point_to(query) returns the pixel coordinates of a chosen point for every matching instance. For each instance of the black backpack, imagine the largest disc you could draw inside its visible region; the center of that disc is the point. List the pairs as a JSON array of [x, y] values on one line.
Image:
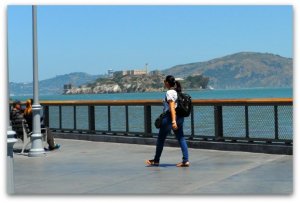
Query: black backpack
[[184, 104]]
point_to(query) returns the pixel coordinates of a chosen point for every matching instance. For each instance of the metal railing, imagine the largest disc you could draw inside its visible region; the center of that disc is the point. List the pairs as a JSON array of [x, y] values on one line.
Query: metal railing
[[250, 120]]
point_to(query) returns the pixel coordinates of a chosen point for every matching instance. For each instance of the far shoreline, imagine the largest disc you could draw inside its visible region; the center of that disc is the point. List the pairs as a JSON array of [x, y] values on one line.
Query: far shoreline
[[132, 94]]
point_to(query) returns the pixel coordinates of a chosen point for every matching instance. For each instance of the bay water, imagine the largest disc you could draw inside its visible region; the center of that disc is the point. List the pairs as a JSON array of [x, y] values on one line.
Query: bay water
[[201, 94]]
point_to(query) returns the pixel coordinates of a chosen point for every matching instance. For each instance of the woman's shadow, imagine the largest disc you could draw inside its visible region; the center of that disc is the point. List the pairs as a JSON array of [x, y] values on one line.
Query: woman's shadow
[[163, 165]]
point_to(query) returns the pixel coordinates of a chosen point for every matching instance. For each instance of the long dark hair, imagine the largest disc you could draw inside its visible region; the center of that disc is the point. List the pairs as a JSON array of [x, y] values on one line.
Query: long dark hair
[[173, 83]]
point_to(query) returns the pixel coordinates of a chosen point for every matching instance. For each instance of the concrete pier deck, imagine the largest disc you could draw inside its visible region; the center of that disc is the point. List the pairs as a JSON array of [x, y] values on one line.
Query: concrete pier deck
[[85, 167]]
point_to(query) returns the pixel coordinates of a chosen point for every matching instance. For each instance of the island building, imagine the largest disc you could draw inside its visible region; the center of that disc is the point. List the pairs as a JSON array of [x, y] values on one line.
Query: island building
[[110, 72], [67, 87], [179, 79], [129, 72]]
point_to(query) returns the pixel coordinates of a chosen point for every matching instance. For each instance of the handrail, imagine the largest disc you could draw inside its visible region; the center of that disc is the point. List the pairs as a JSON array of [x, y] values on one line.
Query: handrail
[[156, 102]]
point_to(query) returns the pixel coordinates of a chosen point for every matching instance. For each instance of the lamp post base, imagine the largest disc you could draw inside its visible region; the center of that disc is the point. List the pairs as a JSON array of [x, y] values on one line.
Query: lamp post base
[[37, 149], [37, 153]]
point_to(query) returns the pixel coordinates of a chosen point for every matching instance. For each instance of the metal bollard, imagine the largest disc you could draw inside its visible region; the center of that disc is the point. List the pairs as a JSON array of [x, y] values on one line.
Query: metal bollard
[[11, 140]]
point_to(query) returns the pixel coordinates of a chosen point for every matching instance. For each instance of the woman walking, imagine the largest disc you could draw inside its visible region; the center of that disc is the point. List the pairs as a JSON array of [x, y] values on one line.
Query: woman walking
[[171, 122]]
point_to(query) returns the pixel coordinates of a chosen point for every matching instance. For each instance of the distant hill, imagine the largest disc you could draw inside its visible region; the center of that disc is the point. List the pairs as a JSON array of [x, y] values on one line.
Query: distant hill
[[241, 70], [53, 85]]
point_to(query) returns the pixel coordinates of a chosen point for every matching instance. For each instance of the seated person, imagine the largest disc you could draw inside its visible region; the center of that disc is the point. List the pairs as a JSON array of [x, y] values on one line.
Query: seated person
[[27, 115], [16, 117]]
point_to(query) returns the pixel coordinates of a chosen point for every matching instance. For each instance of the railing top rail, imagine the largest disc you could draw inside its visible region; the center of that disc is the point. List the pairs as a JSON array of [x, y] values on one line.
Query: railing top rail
[[102, 102], [288, 101]]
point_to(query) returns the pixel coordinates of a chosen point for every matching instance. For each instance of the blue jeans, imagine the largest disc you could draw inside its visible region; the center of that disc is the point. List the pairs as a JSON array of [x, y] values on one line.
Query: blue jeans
[[165, 129]]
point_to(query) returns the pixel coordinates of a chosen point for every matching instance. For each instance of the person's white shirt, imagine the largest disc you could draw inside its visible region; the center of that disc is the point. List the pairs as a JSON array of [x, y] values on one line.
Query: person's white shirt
[[170, 95]]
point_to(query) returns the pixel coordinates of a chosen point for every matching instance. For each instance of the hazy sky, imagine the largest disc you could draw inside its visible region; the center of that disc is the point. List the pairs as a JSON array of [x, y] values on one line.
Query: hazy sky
[[93, 39]]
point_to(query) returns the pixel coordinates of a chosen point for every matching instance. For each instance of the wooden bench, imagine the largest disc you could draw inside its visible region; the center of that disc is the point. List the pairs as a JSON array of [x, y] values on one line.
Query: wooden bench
[[24, 133]]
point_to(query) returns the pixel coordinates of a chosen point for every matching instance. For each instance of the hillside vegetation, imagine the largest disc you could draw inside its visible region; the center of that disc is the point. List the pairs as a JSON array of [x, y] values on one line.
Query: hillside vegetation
[[241, 70]]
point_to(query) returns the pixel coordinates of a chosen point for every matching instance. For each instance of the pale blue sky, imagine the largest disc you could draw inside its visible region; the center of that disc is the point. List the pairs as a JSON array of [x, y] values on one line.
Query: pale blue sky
[[93, 39]]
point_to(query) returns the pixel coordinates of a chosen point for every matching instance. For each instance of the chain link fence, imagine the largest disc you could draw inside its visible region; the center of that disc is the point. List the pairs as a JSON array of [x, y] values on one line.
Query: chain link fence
[[255, 122]]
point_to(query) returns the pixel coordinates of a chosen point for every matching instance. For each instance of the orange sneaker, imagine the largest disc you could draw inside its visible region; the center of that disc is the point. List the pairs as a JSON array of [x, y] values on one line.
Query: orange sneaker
[[152, 163], [183, 164]]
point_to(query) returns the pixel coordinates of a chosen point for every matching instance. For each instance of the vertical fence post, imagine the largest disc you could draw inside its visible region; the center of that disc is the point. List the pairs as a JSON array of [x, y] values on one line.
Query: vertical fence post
[[60, 117], [127, 120], [192, 124], [109, 119], [247, 121], [46, 116], [91, 112], [147, 121], [276, 121], [218, 114], [75, 117]]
